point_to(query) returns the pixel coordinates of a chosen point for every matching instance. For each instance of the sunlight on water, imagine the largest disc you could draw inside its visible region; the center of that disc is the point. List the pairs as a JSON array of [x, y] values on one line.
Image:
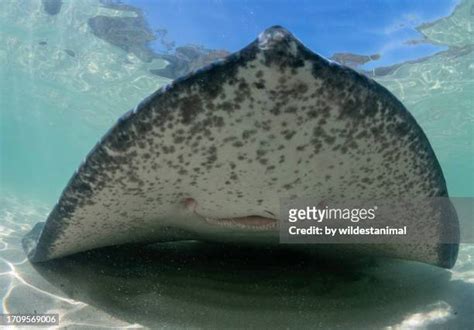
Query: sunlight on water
[[62, 88], [46, 90], [439, 93]]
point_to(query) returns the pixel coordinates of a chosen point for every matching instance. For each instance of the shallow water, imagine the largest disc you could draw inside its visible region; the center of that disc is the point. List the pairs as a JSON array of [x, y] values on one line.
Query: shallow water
[[62, 88]]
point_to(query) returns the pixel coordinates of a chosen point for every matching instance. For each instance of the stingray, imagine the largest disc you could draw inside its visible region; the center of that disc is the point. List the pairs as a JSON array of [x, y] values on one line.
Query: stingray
[[209, 156]]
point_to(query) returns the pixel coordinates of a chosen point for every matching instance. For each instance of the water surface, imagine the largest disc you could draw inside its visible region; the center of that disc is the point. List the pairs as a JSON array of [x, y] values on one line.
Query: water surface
[[62, 88]]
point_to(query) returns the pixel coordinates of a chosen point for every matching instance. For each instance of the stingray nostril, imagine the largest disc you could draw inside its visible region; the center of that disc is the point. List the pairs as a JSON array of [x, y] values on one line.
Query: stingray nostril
[[190, 203]]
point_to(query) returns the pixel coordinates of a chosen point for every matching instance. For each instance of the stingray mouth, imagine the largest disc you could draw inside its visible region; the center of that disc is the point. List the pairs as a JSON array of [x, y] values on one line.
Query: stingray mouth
[[254, 222]]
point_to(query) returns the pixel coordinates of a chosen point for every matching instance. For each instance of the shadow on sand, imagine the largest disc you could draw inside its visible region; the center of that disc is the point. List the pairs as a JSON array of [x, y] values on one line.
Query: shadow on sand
[[192, 284]]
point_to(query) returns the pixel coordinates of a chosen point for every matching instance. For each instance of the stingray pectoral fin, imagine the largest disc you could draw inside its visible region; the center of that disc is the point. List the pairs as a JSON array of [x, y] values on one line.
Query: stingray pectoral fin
[[273, 120], [30, 240]]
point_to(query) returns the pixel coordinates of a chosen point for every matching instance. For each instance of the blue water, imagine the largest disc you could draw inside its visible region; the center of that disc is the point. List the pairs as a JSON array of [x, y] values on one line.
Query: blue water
[[56, 104], [361, 27]]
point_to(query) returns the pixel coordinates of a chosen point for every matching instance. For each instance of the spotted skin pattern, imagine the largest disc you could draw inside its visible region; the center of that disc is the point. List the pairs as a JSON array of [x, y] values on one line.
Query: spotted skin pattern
[[228, 141]]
